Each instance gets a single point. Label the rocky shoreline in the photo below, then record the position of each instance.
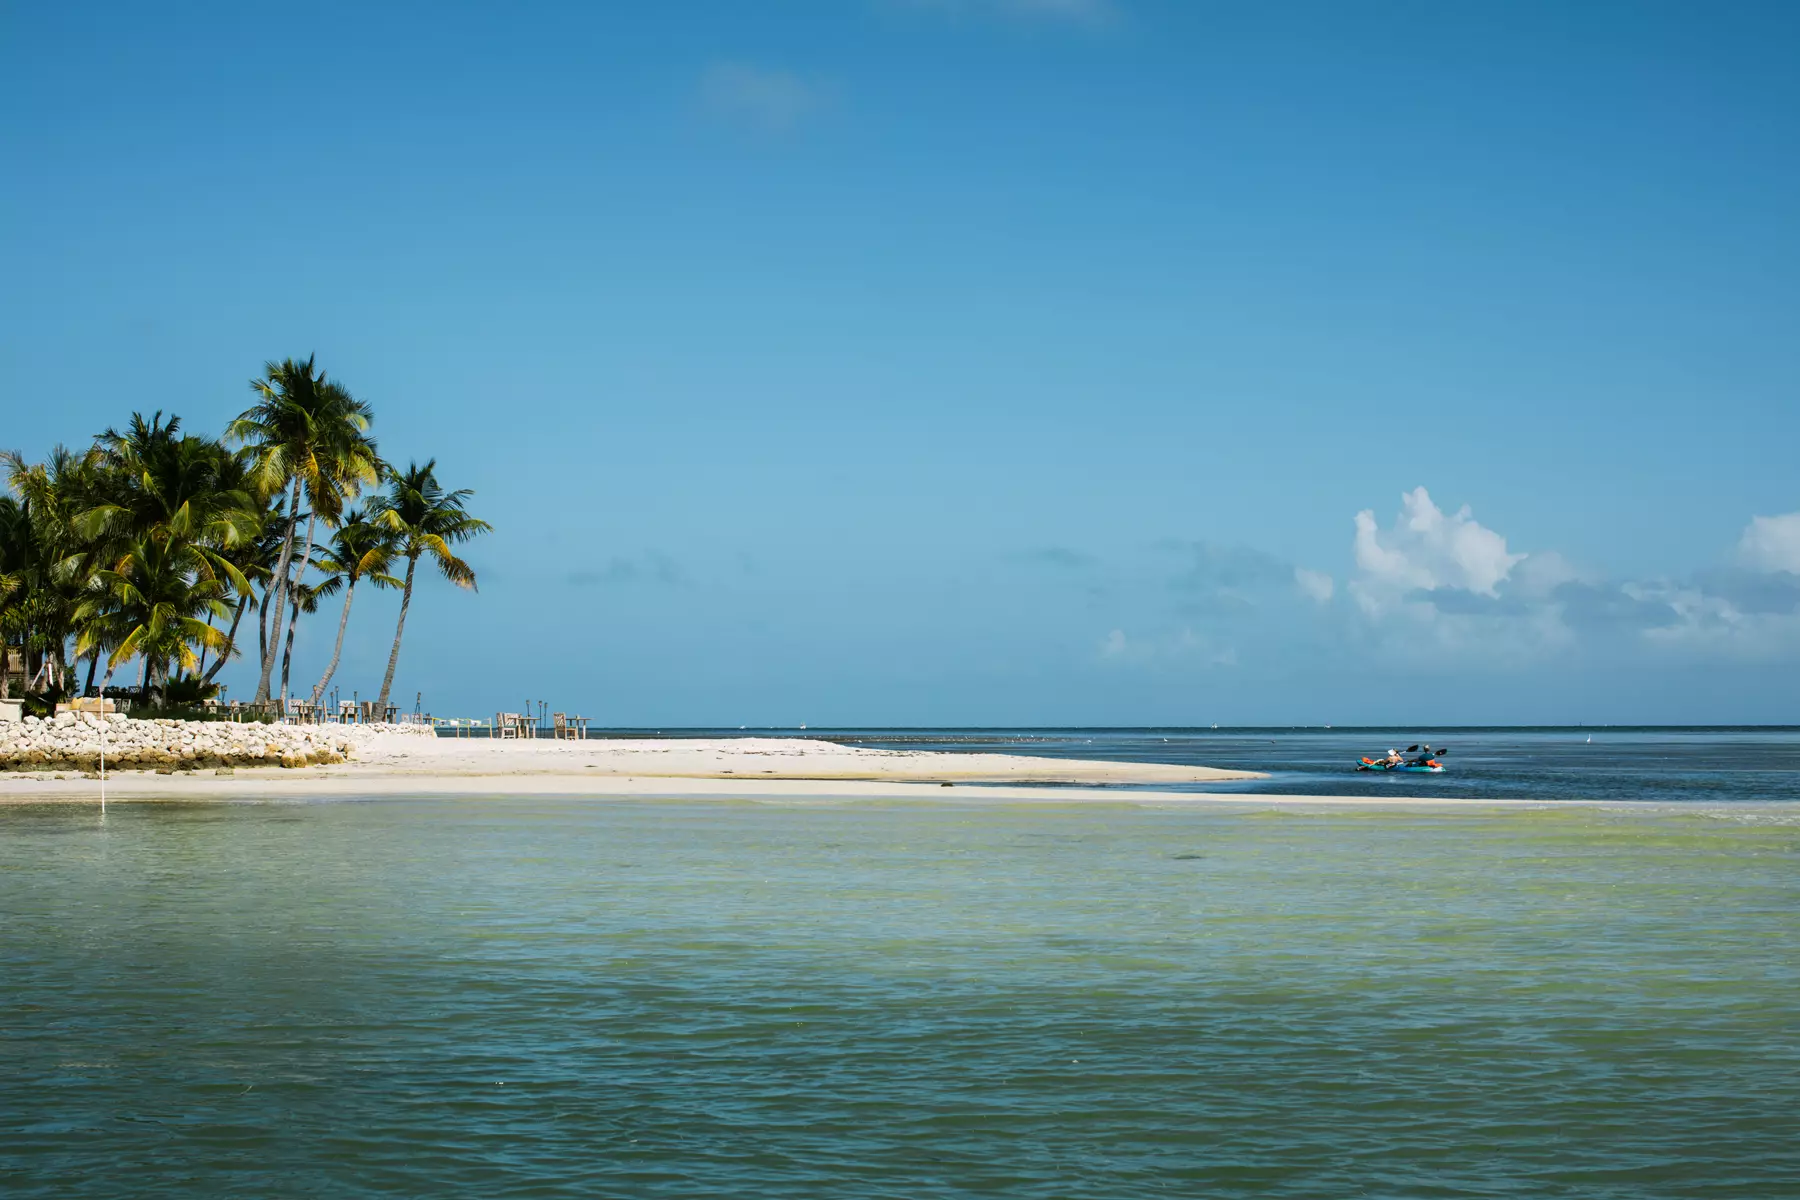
(72, 741)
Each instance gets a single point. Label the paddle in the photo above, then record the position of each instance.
(1412, 747)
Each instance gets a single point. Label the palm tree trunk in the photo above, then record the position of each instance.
(387, 683)
(93, 665)
(287, 655)
(199, 670)
(293, 589)
(338, 649)
(281, 578)
(230, 641)
(262, 624)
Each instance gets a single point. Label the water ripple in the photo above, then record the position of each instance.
(537, 998)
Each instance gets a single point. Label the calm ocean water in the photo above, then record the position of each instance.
(529, 997)
(1594, 763)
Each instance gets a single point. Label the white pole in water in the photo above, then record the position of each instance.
(103, 755)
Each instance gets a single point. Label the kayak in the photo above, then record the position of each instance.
(1424, 768)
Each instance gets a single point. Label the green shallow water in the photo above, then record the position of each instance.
(546, 998)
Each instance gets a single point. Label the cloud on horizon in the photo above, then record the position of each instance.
(1446, 584)
(1772, 543)
(1437, 588)
(1424, 550)
(1316, 584)
(1182, 646)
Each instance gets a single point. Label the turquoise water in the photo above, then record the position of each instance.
(1666, 765)
(517, 997)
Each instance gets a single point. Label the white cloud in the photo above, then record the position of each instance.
(1426, 550)
(1699, 622)
(1436, 589)
(1772, 543)
(1444, 584)
(763, 99)
(1316, 584)
(1541, 572)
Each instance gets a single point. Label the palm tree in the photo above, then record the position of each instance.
(426, 520)
(360, 548)
(168, 487)
(15, 553)
(308, 434)
(48, 567)
(254, 555)
(151, 603)
(160, 485)
(152, 483)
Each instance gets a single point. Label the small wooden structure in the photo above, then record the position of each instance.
(12, 665)
(564, 726)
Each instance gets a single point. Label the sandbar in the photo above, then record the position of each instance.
(725, 768)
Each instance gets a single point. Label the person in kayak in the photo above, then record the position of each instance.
(1393, 759)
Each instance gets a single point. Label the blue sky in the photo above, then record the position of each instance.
(977, 361)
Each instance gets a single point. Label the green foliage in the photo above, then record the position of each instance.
(189, 691)
(41, 703)
(308, 433)
(152, 603)
(426, 521)
(189, 712)
(157, 545)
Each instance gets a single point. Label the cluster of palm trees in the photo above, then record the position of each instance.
(155, 544)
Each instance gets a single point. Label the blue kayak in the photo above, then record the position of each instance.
(1411, 768)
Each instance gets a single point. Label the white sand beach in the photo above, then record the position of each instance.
(397, 763)
(401, 764)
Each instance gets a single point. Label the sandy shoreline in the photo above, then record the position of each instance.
(741, 768)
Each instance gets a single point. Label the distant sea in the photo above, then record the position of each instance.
(1661, 764)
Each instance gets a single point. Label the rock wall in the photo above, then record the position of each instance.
(71, 741)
